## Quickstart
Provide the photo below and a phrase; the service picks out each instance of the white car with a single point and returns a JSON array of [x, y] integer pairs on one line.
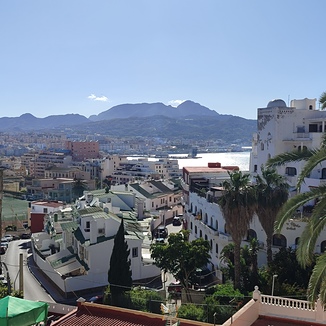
[[9, 237]]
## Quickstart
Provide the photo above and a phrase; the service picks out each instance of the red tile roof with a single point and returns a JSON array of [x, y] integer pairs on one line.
[[91, 314]]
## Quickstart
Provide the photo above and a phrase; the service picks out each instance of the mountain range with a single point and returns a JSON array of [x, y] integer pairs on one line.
[[188, 120]]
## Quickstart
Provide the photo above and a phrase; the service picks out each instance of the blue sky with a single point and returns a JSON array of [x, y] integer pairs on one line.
[[78, 56]]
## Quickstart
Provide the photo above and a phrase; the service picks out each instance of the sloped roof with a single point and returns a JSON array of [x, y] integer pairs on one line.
[[97, 314]]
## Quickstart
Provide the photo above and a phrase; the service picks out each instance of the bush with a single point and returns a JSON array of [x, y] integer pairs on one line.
[[192, 312]]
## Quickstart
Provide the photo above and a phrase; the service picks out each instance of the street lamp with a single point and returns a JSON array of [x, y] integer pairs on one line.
[[273, 282]]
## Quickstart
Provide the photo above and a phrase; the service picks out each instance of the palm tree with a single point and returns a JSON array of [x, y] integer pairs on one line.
[[317, 221], [272, 192], [237, 204], [322, 100], [78, 187]]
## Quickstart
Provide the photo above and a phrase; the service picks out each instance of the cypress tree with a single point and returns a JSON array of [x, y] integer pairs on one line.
[[119, 275]]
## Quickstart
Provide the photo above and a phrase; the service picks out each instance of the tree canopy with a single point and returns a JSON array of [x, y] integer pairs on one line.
[[119, 275], [180, 257]]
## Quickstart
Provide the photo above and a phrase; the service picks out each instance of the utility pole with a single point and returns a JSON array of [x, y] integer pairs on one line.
[[21, 274]]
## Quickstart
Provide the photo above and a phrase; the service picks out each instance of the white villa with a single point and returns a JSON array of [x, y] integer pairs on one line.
[[75, 249], [280, 129]]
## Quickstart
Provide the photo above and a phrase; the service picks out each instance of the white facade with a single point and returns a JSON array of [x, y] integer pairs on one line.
[[280, 129], [81, 259]]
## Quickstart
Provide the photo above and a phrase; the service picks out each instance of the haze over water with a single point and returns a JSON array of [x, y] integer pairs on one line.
[[240, 159]]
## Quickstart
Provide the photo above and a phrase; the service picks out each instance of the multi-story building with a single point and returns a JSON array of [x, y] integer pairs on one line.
[[41, 161], [162, 198], [280, 129], [76, 248], [83, 150]]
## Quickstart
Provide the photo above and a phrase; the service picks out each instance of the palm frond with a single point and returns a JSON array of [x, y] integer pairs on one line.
[[317, 157], [294, 156], [322, 100], [294, 203], [309, 236], [317, 283]]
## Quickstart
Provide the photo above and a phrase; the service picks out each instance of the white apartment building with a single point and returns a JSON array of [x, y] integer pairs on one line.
[[280, 129], [79, 258]]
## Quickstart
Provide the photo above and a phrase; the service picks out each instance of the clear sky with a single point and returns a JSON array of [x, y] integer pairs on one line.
[[85, 56]]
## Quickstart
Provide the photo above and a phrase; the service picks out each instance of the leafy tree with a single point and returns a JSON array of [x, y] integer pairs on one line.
[[223, 301], [78, 187], [290, 274], [119, 275], [145, 300], [192, 312], [180, 257], [237, 204], [249, 265], [272, 192], [316, 222]]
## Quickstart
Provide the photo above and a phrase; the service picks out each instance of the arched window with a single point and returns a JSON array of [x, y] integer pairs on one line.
[[201, 233], [206, 218], [251, 234], [296, 242], [206, 237], [216, 248], [195, 229], [216, 224], [279, 240], [211, 244], [262, 146], [323, 246], [191, 225], [211, 221]]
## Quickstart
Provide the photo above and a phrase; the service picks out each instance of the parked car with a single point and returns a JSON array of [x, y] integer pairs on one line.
[[161, 232], [159, 240], [25, 236], [9, 237], [177, 220], [3, 250], [3, 280], [96, 299]]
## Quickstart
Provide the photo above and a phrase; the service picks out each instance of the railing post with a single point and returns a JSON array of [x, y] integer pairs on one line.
[[256, 294], [319, 311]]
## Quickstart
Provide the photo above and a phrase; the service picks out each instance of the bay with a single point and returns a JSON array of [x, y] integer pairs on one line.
[[240, 159]]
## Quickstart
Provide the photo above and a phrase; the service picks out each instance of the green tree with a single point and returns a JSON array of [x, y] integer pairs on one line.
[[119, 275], [249, 266], [78, 187], [192, 312], [317, 220], [180, 257], [322, 100], [290, 274], [237, 204], [272, 192]]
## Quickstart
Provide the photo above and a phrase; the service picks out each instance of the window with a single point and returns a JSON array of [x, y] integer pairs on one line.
[[262, 146], [323, 246], [45, 210], [101, 231], [195, 229], [216, 248], [201, 233], [279, 240], [291, 171], [251, 234], [134, 252]]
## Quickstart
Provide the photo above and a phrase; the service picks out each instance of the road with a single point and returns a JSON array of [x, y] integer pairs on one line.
[[32, 288]]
